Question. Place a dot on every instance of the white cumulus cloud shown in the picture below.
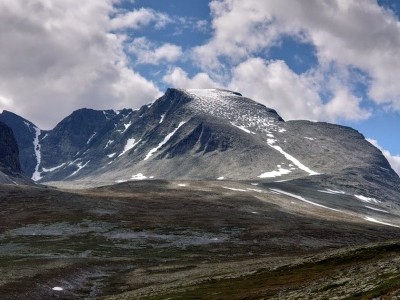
(57, 56)
(349, 34)
(138, 18)
(147, 52)
(180, 79)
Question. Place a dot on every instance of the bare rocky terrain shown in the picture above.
(196, 240)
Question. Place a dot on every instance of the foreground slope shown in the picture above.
(195, 240)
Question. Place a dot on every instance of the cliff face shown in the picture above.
(10, 168)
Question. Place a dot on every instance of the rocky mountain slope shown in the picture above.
(10, 169)
(202, 134)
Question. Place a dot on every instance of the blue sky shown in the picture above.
(334, 61)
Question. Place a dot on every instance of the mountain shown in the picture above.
(41, 148)
(25, 133)
(202, 134)
(10, 169)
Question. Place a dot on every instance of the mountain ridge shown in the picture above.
(203, 134)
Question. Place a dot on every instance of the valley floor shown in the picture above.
(195, 240)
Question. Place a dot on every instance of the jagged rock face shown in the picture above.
(10, 169)
(71, 135)
(24, 132)
(205, 134)
(9, 153)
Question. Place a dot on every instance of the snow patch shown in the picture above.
(107, 115)
(130, 144)
(112, 154)
(234, 189)
(139, 176)
(36, 147)
(380, 222)
(109, 143)
(273, 192)
(121, 181)
(377, 209)
(182, 184)
(166, 139)
(308, 138)
(126, 127)
(91, 138)
(366, 199)
(255, 190)
(221, 178)
(243, 128)
(57, 288)
(80, 167)
(295, 161)
(333, 192)
(302, 199)
(254, 183)
(276, 173)
(53, 169)
(162, 118)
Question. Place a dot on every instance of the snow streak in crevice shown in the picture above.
(80, 167)
(53, 169)
(162, 118)
(91, 138)
(166, 139)
(36, 147)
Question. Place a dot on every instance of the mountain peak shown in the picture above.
(217, 102)
(208, 92)
(202, 92)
